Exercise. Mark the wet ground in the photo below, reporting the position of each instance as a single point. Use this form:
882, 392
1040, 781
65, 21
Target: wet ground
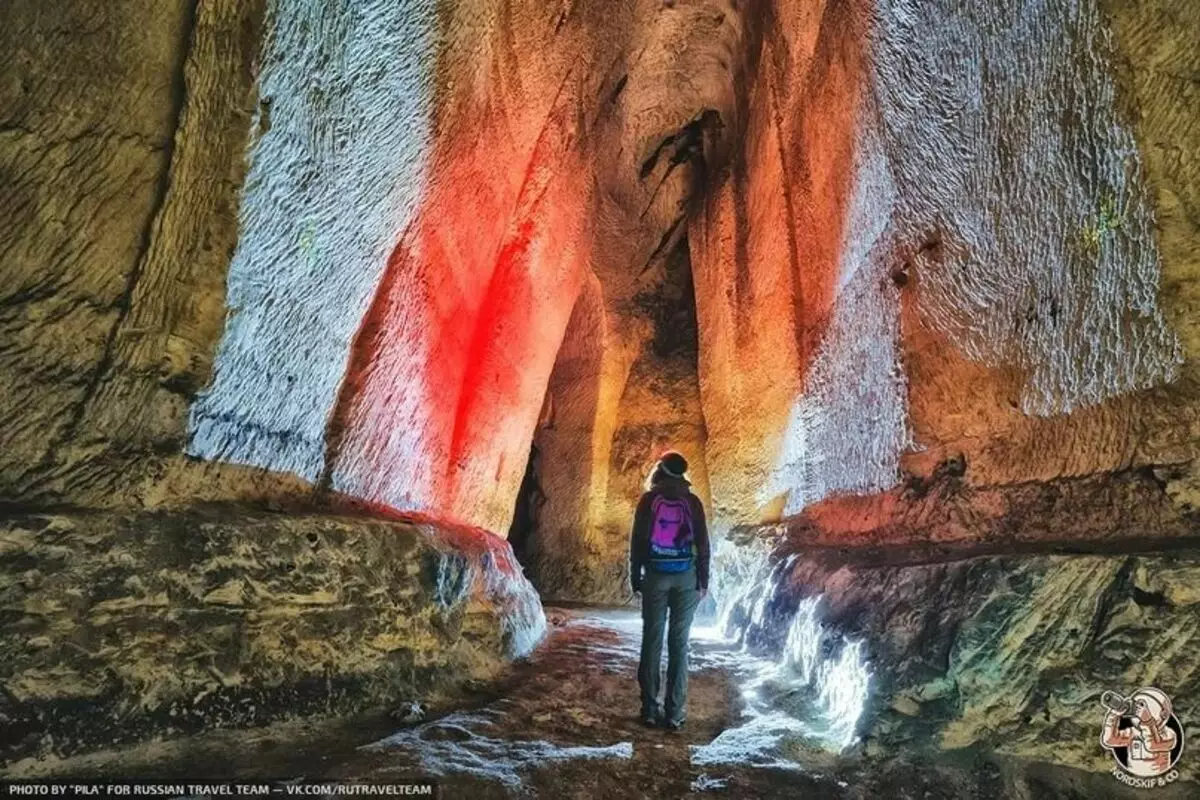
564, 725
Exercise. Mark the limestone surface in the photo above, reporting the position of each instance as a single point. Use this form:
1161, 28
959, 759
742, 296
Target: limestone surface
119, 627
412, 244
888, 272
121, 156
1008, 652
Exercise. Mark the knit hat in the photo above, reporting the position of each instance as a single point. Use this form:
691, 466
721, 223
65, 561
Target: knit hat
673, 464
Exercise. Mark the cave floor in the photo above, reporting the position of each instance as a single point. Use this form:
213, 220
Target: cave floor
563, 724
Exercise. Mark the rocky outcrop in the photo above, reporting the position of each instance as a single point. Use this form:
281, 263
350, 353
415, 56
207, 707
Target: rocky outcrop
120, 627
1133, 508
998, 651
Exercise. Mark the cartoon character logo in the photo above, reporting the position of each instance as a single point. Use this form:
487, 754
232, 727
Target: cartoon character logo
1142, 734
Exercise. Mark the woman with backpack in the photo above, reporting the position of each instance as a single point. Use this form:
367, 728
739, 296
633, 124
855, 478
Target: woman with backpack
668, 559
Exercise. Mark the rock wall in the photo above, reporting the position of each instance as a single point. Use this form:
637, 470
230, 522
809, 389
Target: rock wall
1147, 428
535, 148
118, 627
601, 433
942, 258
121, 143
1004, 652
882, 271
844, 211
343, 124
145, 148
883, 235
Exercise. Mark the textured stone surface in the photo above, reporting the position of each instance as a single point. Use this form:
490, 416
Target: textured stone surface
343, 124
844, 212
566, 727
767, 251
910, 215
120, 627
480, 286
1008, 652
925, 240
601, 434
84, 170
1131, 506
121, 144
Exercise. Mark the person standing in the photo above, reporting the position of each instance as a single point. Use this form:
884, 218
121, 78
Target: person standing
669, 559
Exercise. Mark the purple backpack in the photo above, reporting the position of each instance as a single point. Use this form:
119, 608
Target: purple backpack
670, 534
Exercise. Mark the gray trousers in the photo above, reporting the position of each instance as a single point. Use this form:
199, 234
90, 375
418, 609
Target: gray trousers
677, 593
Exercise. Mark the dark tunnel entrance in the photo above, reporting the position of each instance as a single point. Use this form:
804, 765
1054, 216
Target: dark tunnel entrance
590, 456
530, 501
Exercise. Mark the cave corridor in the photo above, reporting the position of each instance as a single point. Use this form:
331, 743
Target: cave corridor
339, 338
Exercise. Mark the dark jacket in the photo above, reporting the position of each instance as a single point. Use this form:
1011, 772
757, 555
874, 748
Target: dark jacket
639, 539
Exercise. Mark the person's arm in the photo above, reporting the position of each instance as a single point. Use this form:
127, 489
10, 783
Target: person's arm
703, 548
638, 537
1112, 736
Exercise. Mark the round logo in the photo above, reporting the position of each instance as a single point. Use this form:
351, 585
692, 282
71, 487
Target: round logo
1142, 734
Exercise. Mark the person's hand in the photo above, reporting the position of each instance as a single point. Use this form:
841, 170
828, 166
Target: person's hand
703, 593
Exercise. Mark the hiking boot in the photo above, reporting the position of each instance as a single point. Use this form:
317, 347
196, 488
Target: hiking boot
674, 725
652, 719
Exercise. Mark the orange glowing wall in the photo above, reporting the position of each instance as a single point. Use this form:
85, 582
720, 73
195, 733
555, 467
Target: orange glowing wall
767, 247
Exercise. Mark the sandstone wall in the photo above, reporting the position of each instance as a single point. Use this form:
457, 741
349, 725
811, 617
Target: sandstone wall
396, 235
972, 648
131, 153
123, 138
118, 627
884, 272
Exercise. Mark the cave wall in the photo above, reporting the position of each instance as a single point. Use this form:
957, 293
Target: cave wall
124, 626
122, 142
388, 218
917, 215
146, 591
924, 650
942, 290
942, 256
364, 232
772, 252
455, 275
343, 123
420, 223
479, 291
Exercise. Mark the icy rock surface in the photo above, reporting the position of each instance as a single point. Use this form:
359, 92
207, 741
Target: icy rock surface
807, 693
919, 651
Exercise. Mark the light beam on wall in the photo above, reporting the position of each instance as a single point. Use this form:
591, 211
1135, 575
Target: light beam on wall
336, 173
